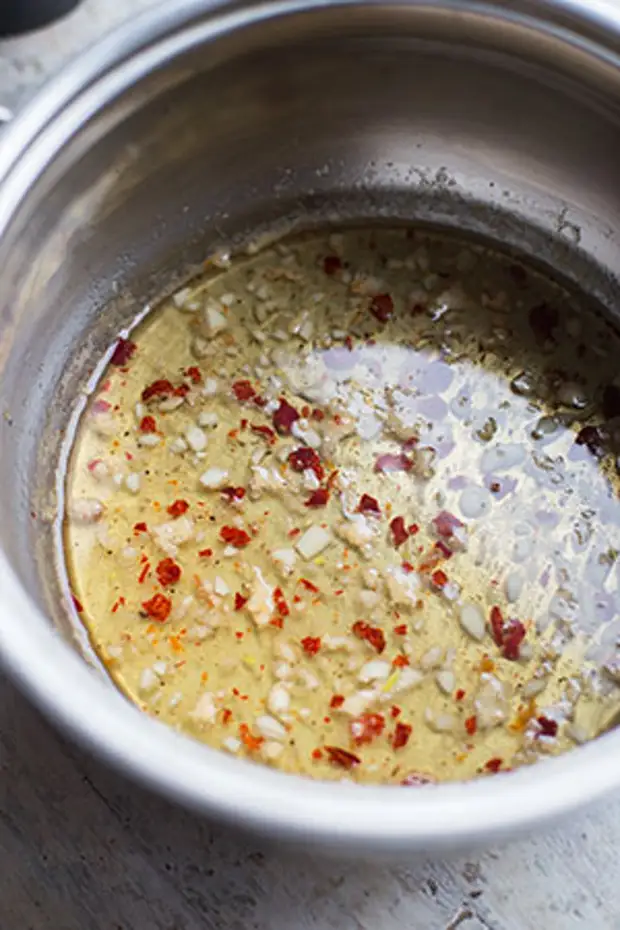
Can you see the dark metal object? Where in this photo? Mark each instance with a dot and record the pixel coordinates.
(23, 15)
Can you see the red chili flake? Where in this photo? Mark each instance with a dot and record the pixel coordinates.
(182, 390)
(317, 754)
(311, 644)
(398, 531)
(366, 728)
(439, 578)
(140, 528)
(369, 504)
(593, 439)
(401, 735)
(308, 585)
(194, 374)
(332, 264)
(416, 779)
(148, 425)
(348, 341)
(233, 494)
(234, 536)
(158, 607)
(240, 601)
(446, 523)
(493, 765)
(284, 417)
(332, 479)
(252, 743)
(373, 635)
(93, 464)
(78, 606)
(157, 389)
(401, 629)
(205, 553)
(123, 351)
(471, 725)
(547, 726)
(341, 757)
(318, 498)
(391, 463)
(441, 547)
(280, 602)
(514, 634)
(168, 572)
(301, 459)
(226, 715)
(382, 307)
(278, 622)
(294, 532)
(400, 661)
(407, 567)
(318, 415)
(508, 635)
(459, 695)
(265, 431)
(243, 390)
(413, 529)
(143, 574)
(337, 700)
(101, 406)
(118, 603)
(497, 626)
(178, 508)
(430, 561)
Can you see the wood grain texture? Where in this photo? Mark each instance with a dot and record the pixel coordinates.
(82, 849)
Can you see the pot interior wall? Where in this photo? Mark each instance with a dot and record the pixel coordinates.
(356, 113)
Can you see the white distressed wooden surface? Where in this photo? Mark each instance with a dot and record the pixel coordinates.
(82, 849)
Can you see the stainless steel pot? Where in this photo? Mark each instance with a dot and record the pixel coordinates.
(196, 123)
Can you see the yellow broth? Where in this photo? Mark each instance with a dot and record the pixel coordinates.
(349, 506)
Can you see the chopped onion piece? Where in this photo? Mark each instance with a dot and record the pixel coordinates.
(270, 728)
(261, 605)
(284, 559)
(196, 439)
(205, 709)
(214, 478)
(375, 670)
(472, 622)
(313, 542)
(278, 699)
(214, 321)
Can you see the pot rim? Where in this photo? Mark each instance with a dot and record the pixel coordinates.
(100, 717)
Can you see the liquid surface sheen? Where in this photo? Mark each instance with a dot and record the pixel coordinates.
(349, 506)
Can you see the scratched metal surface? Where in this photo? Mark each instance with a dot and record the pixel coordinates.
(81, 849)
